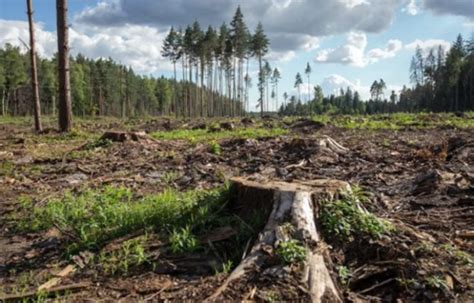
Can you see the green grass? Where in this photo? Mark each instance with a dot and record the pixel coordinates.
(397, 121)
(97, 216)
(182, 240)
(130, 254)
(204, 136)
(345, 219)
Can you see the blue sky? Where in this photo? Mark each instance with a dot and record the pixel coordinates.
(347, 42)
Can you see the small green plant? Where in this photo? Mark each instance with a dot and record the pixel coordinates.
(271, 296)
(169, 177)
(215, 148)
(291, 251)
(96, 216)
(345, 218)
(437, 282)
(344, 274)
(98, 143)
(183, 240)
(130, 254)
(225, 268)
(7, 168)
(461, 257)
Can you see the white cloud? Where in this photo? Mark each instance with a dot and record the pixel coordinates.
(284, 20)
(14, 32)
(135, 45)
(332, 84)
(427, 45)
(392, 48)
(284, 56)
(412, 8)
(353, 52)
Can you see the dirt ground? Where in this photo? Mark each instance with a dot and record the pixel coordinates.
(421, 179)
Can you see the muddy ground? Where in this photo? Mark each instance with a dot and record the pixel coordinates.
(421, 179)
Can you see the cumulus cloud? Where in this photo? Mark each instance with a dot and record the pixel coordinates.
(332, 84)
(392, 48)
(134, 45)
(353, 52)
(427, 45)
(290, 24)
(14, 32)
(412, 8)
(463, 8)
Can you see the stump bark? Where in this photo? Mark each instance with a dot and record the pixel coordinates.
(295, 203)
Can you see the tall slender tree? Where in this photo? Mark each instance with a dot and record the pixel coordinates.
(65, 112)
(298, 83)
(34, 73)
(275, 80)
(259, 50)
(307, 71)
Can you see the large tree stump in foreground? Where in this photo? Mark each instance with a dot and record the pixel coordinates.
(295, 203)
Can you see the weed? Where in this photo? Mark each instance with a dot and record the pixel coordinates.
(98, 143)
(460, 256)
(183, 240)
(169, 177)
(215, 148)
(7, 168)
(344, 274)
(131, 254)
(291, 251)
(345, 218)
(226, 268)
(271, 296)
(96, 216)
(437, 282)
(201, 135)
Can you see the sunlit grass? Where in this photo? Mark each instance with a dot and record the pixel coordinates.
(202, 135)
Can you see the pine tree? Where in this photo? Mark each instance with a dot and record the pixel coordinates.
(65, 111)
(260, 49)
(298, 83)
(34, 72)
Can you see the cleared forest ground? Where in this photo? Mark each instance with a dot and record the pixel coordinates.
(145, 216)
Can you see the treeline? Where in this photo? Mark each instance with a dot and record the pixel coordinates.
(98, 87)
(218, 60)
(441, 82)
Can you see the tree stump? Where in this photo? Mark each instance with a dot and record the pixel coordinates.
(295, 203)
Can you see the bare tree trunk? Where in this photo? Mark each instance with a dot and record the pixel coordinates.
(4, 97)
(65, 114)
(34, 74)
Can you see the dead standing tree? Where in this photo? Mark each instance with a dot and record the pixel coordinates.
(34, 74)
(65, 114)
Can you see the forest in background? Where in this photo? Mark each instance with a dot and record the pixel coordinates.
(215, 81)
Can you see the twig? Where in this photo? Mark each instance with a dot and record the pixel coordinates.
(168, 285)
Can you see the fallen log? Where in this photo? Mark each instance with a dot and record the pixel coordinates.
(290, 203)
